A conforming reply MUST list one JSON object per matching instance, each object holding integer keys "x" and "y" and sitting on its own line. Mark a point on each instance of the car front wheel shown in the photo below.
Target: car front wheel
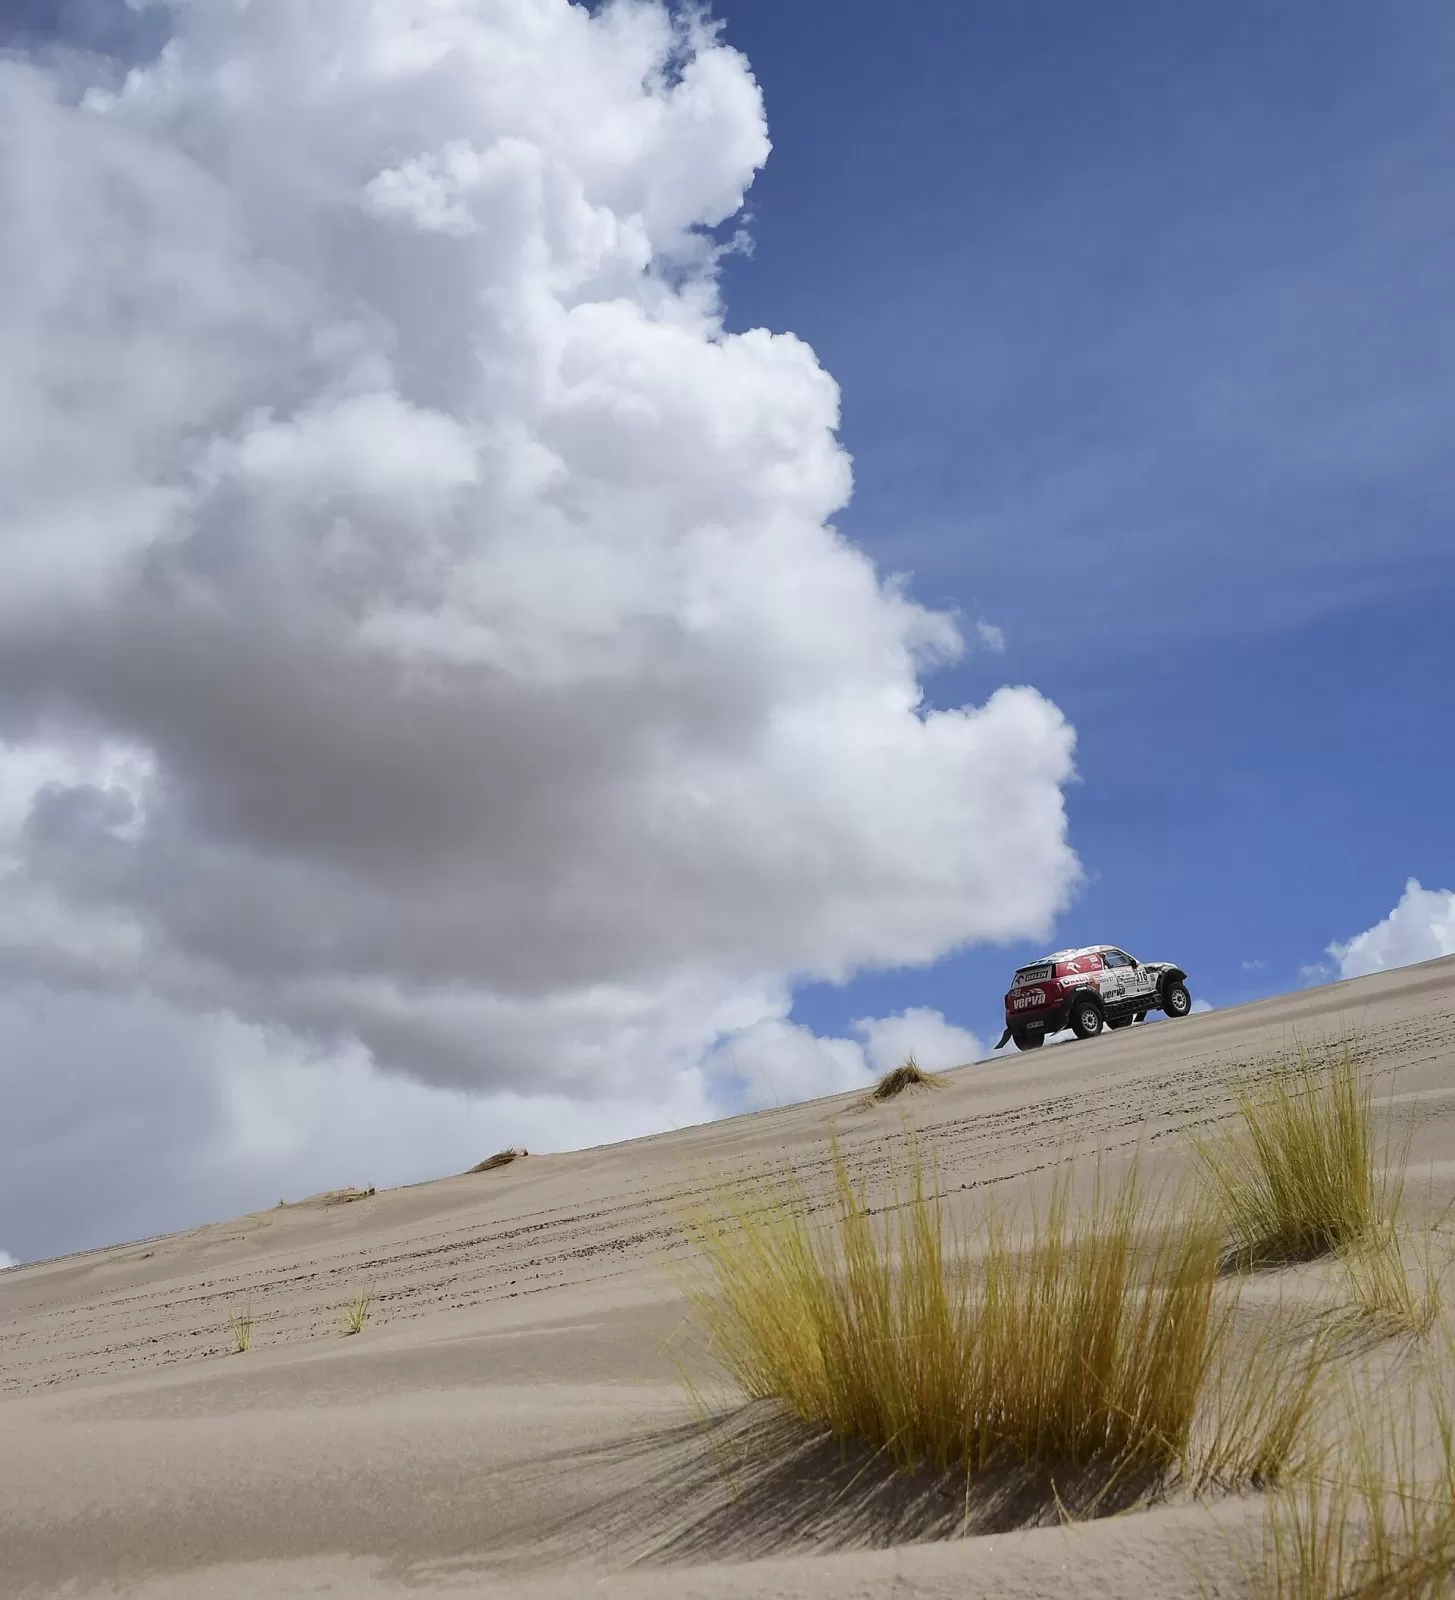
{"x": 1086, "y": 1019}
{"x": 1176, "y": 1001}
{"x": 1029, "y": 1041}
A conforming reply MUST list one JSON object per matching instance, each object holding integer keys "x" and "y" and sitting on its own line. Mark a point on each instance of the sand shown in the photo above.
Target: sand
{"x": 517, "y": 1416}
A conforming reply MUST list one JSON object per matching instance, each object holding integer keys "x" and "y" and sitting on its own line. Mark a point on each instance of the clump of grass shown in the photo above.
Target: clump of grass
{"x": 1090, "y": 1342}
{"x": 1380, "y": 1284}
{"x": 240, "y": 1326}
{"x": 331, "y": 1197}
{"x": 501, "y": 1158}
{"x": 1309, "y": 1542}
{"x": 1299, "y": 1177}
{"x": 908, "y": 1075}
{"x": 356, "y": 1312}
{"x": 1381, "y": 1525}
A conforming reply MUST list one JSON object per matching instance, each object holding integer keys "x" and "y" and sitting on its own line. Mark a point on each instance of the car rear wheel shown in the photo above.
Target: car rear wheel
{"x": 1176, "y": 1001}
{"x": 1086, "y": 1019}
{"x": 1029, "y": 1041}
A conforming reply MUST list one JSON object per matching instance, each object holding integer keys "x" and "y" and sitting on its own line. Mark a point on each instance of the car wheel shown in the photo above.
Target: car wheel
{"x": 1029, "y": 1041}
{"x": 1176, "y": 1001}
{"x": 1086, "y": 1019}
{"x": 1118, "y": 1022}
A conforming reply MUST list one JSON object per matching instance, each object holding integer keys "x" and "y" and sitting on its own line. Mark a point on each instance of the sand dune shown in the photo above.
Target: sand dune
{"x": 516, "y": 1417}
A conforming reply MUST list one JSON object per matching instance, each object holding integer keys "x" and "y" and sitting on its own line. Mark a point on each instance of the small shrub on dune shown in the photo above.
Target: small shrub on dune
{"x": 1092, "y": 1341}
{"x": 1299, "y": 1177}
{"x": 501, "y": 1158}
{"x": 356, "y": 1312}
{"x": 240, "y": 1326}
{"x": 908, "y": 1075}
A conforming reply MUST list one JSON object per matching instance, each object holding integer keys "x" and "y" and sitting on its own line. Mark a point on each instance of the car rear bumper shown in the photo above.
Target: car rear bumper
{"x": 1049, "y": 1019}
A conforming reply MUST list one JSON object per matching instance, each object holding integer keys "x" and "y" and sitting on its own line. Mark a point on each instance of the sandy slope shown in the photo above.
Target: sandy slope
{"x": 513, "y": 1421}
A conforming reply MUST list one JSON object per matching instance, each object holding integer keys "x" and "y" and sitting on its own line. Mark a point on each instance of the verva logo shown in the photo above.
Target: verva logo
{"x": 1035, "y": 997}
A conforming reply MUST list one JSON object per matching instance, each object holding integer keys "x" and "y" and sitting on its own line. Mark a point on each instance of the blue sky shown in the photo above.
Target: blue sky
{"x": 1143, "y": 321}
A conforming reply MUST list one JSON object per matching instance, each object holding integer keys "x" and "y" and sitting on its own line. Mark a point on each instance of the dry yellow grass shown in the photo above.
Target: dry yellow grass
{"x": 1091, "y": 1341}
{"x": 1381, "y": 1286}
{"x": 1378, "y": 1523}
{"x": 908, "y": 1075}
{"x": 356, "y": 1312}
{"x": 240, "y": 1326}
{"x": 501, "y": 1158}
{"x": 1299, "y": 1177}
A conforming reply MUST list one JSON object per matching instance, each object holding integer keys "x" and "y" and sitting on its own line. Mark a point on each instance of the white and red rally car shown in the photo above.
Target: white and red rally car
{"x": 1086, "y": 989}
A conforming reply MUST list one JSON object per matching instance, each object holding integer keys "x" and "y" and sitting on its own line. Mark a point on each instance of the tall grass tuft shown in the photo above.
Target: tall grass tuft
{"x": 1090, "y": 1341}
{"x": 1380, "y": 1284}
{"x": 1380, "y": 1524}
{"x": 1299, "y": 1177}
{"x": 356, "y": 1312}
{"x": 908, "y": 1075}
{"x": 240, "y": 1326}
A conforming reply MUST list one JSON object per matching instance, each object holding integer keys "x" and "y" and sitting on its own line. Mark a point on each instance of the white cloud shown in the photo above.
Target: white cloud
{"x": 1420, "y": 928}
{"x": 1202, "y": 1005}
{"x": 992, "y": 637}
{"x": 7, "y": 1260}
{"x": 423, "y": 638}
{"x": 178, "y": 1119}
{"x": 921, "y": 1032}
{"x": 775, "y": 1061}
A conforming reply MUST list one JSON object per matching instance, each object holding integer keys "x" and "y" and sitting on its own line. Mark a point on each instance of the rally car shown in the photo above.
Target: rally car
{"x": 1085, "y": 990}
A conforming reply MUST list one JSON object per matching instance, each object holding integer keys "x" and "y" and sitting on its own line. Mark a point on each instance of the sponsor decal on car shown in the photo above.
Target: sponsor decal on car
{"x": 1030, "y": 975}
{"x": 1024, "y": 1002}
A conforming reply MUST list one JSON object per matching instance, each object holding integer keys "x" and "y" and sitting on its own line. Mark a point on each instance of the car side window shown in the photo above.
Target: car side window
{"x": 1115, "y": 958}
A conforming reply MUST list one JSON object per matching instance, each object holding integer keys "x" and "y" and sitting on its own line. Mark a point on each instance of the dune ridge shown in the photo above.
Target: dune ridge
{"x": 523, "y": 1411}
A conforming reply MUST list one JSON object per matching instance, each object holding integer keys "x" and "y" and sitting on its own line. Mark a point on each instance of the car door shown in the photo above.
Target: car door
{"x": 1113, "y": 978}
{"x": 1138, "y": 983}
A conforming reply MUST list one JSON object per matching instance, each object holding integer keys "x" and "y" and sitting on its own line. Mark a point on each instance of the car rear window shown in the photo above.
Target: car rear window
{"x": 1037, "y": 974}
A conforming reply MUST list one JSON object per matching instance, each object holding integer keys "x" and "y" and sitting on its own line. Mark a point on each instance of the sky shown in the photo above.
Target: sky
{"x": 564, "y": 573}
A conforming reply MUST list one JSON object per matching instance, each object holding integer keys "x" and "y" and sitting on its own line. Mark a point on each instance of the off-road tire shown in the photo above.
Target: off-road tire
{"x": 1086, "y": 1019}
{"x": 1176, "y": 1001}
{"x": 1028, "y": 1041}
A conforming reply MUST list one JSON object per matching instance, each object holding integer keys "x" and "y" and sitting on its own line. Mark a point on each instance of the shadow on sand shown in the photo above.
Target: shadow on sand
{"x": 756, "y": 1482}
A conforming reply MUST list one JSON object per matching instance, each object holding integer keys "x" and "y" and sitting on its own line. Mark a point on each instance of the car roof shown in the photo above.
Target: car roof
{"x": 1071, "y": 955}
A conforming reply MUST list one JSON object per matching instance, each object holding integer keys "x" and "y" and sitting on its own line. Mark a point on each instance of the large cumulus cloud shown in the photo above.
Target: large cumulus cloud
{"x": 423, "y": 634}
